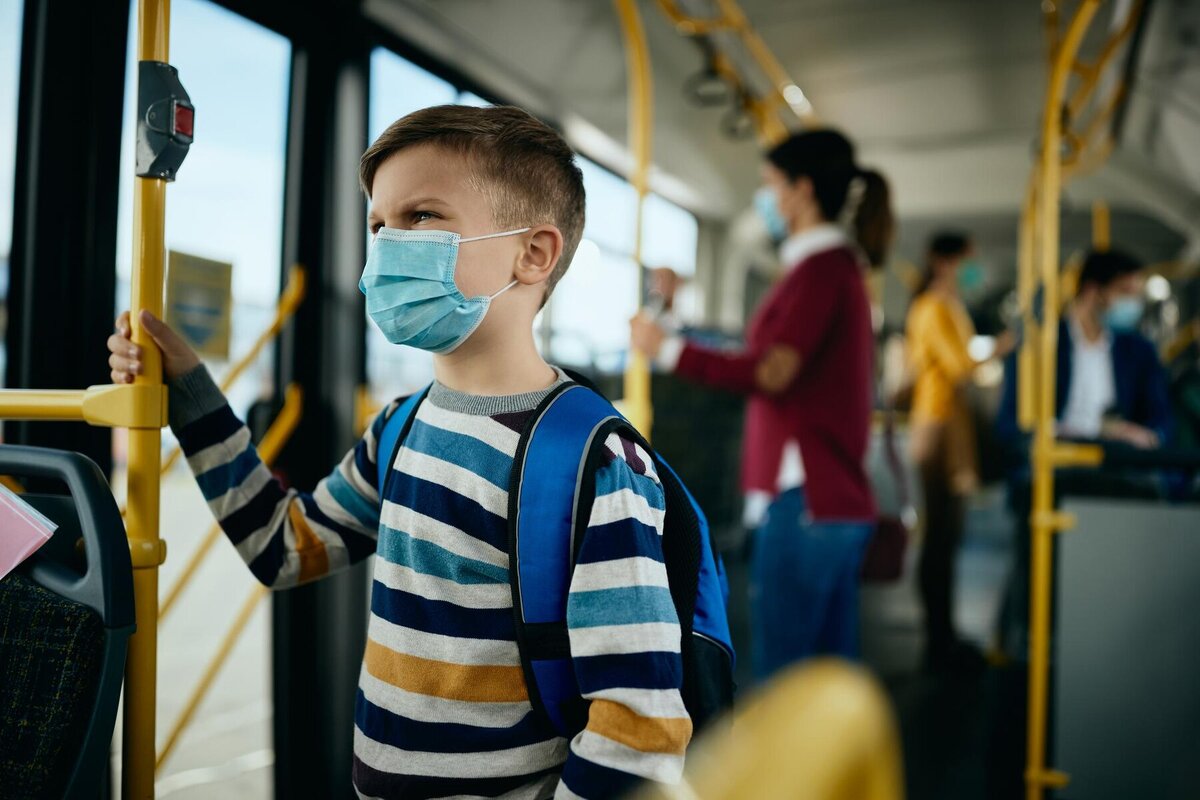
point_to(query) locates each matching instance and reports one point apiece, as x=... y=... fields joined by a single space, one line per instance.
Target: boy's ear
x=543 y=248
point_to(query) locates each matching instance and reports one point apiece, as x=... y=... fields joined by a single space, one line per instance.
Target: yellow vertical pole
x=1026 y=289
x=146 y=548
x=1101 y=226
x=641 y=130
x=1044 y=521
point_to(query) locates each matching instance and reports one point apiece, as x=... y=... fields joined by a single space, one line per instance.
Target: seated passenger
x=1110 y=386
x=1110 y=383
x=443 y=707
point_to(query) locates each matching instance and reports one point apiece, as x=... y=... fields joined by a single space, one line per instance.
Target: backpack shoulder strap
x=553 y=453
x=395 y=428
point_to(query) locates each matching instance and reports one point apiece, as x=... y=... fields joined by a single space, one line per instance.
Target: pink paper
x=23 y=529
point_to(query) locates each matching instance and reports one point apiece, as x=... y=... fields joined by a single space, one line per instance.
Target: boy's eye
x=421 y=216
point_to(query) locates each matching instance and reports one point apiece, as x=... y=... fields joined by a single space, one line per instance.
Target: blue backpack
x=547 y=517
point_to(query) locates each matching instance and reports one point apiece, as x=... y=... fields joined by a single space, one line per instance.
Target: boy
x=442 y=707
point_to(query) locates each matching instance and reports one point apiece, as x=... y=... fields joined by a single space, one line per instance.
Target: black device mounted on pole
x=165 y=122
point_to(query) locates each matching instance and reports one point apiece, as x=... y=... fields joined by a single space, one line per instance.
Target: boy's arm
x=625 y=637
x=286 y=537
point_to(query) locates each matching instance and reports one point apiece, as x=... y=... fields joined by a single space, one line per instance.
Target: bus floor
x=962 y=735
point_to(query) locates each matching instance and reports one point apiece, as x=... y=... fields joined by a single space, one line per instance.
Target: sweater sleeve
x=625 y=637
x=286 y=537
x=801 y=318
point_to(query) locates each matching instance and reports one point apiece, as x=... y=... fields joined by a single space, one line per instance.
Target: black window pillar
x=319 y=631
x=62 y=269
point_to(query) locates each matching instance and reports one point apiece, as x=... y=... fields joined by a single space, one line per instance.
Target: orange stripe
x=479 y=684
x=646 y=734
x=314 y=561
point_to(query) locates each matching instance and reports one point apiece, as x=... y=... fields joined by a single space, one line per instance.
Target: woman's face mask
x=411 y=293
x=766 y=203
x=971 y=276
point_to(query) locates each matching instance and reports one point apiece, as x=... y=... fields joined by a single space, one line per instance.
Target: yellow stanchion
x=1101 y=226
x=272 y=443
x=784 y=94
x=141 y=521
x=1026 y=288
x=636 y=403
x=1043 y=521
x=210 y=673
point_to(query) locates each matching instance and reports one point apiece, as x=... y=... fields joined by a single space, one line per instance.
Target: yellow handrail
x=141 y=521
x=1101 y=226
x=281 y=430
x=1026 y=289
x=822 y=731
x=289 y=301
x=636 y=403
x=210 y=672
x=784 y=94
x=1044 y=522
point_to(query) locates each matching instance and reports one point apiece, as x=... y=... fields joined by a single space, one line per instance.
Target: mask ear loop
x=495 y=235
x=502 y=291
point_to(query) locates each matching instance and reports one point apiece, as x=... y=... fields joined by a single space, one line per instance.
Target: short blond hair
x=526 y=169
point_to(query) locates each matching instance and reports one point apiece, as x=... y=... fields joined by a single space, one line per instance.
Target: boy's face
x=430 y=188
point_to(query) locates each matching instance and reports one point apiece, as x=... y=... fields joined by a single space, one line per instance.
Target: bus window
x=227 y=205
x=10 y=70
x=590 y=309
x=398 y=87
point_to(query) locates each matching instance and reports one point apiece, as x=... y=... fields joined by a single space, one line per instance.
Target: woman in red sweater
x=807 y=368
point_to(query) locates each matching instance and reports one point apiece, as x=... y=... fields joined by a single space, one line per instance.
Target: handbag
x=883 y=561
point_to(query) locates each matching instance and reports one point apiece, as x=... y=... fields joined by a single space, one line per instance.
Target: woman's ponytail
x=873 y=224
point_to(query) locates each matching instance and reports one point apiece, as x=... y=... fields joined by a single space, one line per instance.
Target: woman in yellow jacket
x=942 y=435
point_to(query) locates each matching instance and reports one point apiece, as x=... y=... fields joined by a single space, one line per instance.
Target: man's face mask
x=1124 y=313
x=411 y=293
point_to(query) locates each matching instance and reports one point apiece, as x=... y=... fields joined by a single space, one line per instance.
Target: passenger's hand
x=1006 y=342
x=646 y=335
x=126 y=357
x=1130 y=433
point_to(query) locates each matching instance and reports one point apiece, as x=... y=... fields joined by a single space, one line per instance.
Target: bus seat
x=66 y=615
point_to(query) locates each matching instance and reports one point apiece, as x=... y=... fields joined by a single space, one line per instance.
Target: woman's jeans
x=804 y=589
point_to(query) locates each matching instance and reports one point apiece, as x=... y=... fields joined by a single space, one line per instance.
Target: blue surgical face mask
x=1124 y=313
x=970 y=275
x=767 y=206
x=410 y=289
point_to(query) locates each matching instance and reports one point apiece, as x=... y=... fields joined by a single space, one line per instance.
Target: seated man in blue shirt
x=1110 y=383
x=1110 y=386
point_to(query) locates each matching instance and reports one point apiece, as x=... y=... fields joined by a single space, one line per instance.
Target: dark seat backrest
x=66 y=615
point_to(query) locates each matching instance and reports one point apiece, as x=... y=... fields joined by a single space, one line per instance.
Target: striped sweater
x=442 y=706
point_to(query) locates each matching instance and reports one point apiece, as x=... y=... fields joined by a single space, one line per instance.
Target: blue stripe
x=629 y=605
x=358 y=546
x=461 y=450
x=443 y=737
x=267 y=564
x=653 y=670
x=449 y=507
x=255 y=514
x=438 y=616
x=589 y=779
x=625 y=538
x=619 y=475
x=374 y=783
x=428 y=558
x=363 y=510
x=212 y=428
x=365 y=466
x=219 y=480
